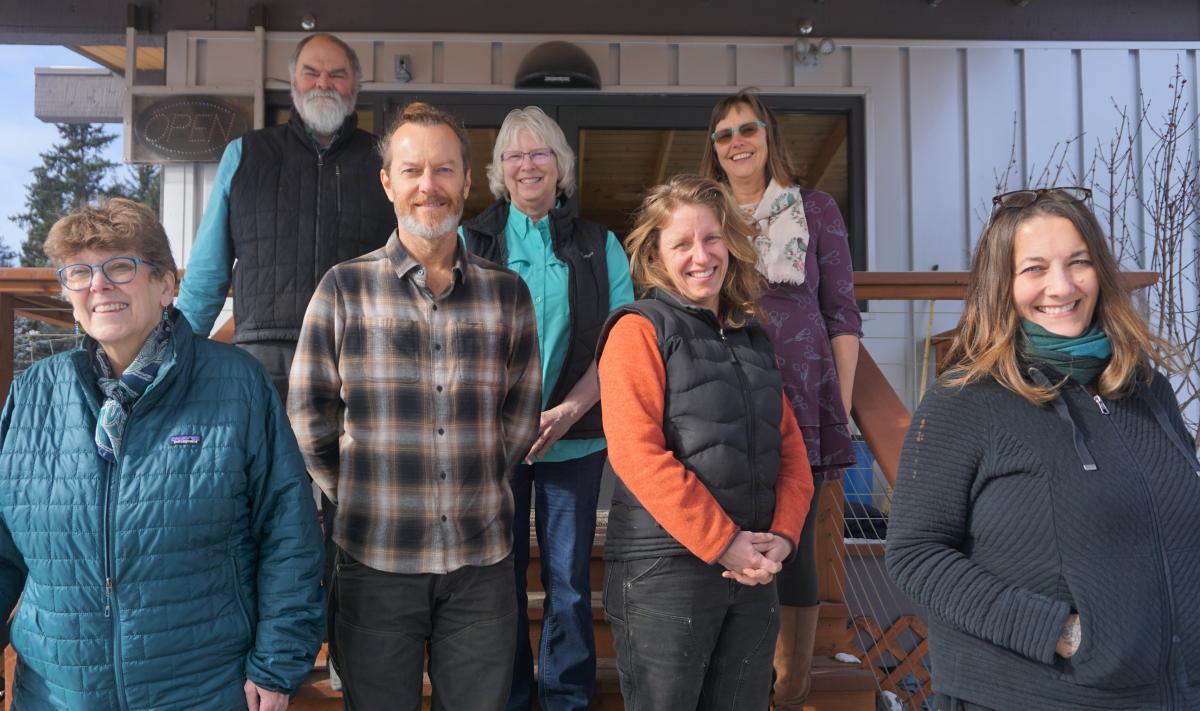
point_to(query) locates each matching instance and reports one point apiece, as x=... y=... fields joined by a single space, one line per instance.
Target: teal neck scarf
x=1081 y=358
x=121 y=393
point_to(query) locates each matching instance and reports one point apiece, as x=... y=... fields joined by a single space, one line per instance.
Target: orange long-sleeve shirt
x=633 y=384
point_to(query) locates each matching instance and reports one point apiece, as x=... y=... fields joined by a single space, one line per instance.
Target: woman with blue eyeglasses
x=577 y=273
x=813 y=321
x=156 y=520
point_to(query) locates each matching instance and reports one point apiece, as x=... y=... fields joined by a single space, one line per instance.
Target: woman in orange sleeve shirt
x=713 y=481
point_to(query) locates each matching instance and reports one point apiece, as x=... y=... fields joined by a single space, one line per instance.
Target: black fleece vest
x=721 y=419
x=293 y=214
x=580 y=244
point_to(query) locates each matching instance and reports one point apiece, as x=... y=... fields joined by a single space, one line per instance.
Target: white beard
x=430 y=233
x=322 y=117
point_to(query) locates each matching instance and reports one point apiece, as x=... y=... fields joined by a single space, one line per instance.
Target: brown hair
x=115 y=225
x=738 y=299
x=423 y=114
x=779 y=164
x=989 y=332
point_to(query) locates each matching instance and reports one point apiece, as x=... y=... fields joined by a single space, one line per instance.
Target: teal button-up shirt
x=531 y=255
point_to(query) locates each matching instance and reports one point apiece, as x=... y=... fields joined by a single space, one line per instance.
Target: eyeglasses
x=745 y=130
x=118 y=270
x=542 y=156
x=1025 y=198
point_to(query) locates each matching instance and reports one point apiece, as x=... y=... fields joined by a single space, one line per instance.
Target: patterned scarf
x=782 y=240
x=121 y=393
x=1080 y=358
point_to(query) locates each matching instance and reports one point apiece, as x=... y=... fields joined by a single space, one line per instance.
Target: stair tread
x=831 y=675
x=828 y=674
x=537 y=605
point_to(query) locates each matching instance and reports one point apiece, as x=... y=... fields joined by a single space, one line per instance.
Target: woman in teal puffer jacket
x=156 y=521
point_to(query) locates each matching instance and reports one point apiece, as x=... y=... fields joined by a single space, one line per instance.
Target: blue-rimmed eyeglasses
x=1025 y=198
x=118 y=270
x=745 y=130
x=542 y=156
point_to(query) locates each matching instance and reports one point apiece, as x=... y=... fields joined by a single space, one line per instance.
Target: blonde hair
x=738 y=298
x=115 y=225
x=989 y=332
x=544 y=130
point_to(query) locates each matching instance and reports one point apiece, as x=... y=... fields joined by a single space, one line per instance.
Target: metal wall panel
x=942 y=121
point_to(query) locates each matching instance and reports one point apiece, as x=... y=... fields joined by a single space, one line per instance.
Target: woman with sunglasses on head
x=1046 y=503
x=156 y=520
x=812 y=318
x=577 y=273
x=712 y=479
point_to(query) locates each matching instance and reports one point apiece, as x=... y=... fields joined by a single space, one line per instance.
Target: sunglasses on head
x=1024 y=198
x=745 y=130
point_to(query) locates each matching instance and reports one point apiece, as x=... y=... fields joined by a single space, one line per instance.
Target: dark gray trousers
x=384 y=624
x=276 y=357
x=686 y=638
x=797 y=582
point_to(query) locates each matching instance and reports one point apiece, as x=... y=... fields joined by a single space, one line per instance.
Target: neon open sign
x=187 y=128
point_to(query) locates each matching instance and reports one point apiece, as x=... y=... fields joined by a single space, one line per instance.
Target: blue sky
x=24 y=135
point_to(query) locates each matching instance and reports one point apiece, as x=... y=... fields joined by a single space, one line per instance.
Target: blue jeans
x=566 y=496
x=686 y=638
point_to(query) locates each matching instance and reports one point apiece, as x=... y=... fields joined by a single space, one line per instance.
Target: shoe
x=335 y=681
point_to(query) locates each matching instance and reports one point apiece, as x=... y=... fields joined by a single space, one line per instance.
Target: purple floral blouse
x=801 y=321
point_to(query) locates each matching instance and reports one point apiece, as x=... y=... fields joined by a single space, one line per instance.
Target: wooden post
x=828 y=546
x=7 y=322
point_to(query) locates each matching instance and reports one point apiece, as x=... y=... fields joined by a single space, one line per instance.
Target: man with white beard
x=415 y=391
x=288 y=202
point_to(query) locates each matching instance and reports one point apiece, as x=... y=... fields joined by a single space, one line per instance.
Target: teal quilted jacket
x=168 y=579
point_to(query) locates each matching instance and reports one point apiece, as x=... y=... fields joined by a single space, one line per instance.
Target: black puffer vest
x=721 y=419
x=293 y=214
x=580 y=244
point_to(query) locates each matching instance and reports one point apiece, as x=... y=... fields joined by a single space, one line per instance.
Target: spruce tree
x=144 y=185
x=72 y=173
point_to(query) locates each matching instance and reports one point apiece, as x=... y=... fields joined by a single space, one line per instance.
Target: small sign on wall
x=187 y=128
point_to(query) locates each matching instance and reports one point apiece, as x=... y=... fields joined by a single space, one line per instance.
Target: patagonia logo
x=185 y=439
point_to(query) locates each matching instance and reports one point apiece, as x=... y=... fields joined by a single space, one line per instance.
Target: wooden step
x=840 y=687
x=533 y=580
x=600 y=628
x=835 y=687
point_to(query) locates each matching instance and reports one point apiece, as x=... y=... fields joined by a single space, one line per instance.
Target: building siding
x=944 y=119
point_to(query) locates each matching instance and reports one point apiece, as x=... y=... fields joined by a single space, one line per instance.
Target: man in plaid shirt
x=415 y=390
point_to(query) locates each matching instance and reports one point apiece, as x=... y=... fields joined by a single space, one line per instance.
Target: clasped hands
x=755 y=557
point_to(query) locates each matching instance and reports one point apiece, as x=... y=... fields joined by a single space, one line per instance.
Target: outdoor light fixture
x=809 y=53
x=403 y=71
x=308 y=23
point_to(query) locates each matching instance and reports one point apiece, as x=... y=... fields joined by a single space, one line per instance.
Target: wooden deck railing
x=877 y=409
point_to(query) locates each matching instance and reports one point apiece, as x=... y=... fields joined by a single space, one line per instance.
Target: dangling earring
x=166 y=313
x=77 y=329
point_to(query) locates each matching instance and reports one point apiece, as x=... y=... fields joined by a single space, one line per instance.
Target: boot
x=793 y=656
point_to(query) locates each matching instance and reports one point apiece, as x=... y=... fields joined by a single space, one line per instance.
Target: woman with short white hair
x=577 y=273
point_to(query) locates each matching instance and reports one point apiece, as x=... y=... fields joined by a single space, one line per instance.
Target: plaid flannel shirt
x=412 y=410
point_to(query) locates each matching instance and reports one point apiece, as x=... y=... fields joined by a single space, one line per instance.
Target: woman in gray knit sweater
x=1046 y=504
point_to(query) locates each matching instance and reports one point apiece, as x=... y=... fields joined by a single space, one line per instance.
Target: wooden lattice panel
x=908 y=661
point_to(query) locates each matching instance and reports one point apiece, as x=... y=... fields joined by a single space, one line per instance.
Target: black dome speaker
x=557 y=65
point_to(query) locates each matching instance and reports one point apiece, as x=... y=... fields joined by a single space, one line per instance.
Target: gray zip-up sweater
x=1007 y=517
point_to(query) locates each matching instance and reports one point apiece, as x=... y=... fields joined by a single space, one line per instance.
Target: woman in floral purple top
x=814 y=322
